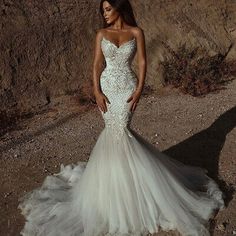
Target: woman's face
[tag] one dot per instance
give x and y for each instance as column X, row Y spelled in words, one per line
column 110, row 14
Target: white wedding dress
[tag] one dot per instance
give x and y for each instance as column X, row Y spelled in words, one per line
column 128, row 187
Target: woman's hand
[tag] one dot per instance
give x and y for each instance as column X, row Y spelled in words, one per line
column 134, row 98
column 101, row 100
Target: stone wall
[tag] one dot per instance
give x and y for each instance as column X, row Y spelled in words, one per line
column 47, row 46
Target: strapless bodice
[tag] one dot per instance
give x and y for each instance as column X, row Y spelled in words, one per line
column 118, row 58
column 118, row 81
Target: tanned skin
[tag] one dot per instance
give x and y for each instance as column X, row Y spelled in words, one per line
column 118, row 33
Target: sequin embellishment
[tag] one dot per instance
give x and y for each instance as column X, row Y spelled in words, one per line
column 118, row 82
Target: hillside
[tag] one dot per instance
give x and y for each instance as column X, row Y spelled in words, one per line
column 196, row 131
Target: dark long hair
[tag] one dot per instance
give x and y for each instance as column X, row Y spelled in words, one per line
column 124, row 8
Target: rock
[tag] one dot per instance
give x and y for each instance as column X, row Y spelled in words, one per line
column 48, row 54
column 221, row 227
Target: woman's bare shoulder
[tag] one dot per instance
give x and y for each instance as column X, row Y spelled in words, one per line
column 137, row 30
column 100, row 33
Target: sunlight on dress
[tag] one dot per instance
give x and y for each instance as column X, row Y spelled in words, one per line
column 128, row 187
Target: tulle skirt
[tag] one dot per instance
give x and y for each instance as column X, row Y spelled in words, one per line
column 126, row 188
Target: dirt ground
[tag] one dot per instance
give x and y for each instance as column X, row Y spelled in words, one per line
column 197, row 131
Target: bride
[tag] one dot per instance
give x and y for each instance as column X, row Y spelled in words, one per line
column 128, row 187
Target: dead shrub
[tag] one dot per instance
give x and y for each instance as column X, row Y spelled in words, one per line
column 194, row 72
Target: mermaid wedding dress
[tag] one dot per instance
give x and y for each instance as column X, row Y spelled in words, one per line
column 128, row 187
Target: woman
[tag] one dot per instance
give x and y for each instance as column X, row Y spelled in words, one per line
column 128, row 187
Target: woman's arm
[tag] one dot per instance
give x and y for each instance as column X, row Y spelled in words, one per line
column 98, row 60
column 141, row 53
column 142, row 67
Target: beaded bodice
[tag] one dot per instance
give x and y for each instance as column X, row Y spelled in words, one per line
column 118, row 57
column 118, row 81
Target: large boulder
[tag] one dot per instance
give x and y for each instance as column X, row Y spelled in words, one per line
column 47, row 46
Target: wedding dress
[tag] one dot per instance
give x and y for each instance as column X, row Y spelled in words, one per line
column 128, row 187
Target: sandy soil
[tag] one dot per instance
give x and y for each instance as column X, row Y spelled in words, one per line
column 197, row 131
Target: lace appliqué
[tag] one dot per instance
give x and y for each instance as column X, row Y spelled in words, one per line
column 118, row 124
column 118, row 81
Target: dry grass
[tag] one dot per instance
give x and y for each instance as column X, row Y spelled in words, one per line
column 194, row 72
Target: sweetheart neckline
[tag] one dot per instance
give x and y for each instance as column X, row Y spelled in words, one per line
column 133, row 39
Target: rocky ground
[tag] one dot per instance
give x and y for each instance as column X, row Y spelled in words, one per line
column 197, row 131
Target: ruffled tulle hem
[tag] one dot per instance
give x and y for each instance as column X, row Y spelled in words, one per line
column 126, row 189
